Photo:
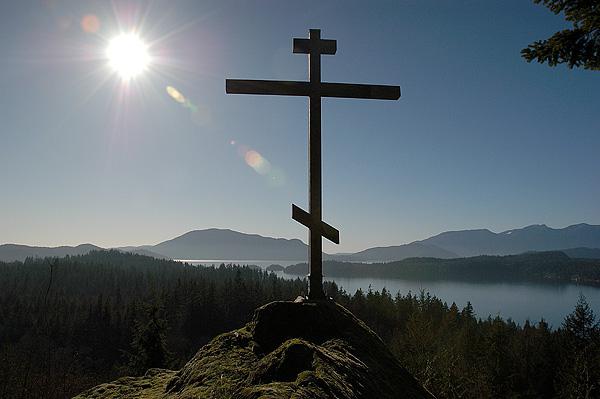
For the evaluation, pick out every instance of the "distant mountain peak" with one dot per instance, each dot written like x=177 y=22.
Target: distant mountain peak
x=535 y=237
x=226 y=244
x=17 y=252
x=535 y=226
x=579 y=225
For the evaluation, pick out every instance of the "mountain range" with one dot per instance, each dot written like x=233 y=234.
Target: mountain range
x=230 y=245
x=580 y=240
x=12 y=252
x=537 y=237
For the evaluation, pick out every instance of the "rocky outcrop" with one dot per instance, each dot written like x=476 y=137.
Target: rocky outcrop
x=290 y=349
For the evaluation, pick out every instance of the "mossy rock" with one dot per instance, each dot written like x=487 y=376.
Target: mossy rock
x=288 y=350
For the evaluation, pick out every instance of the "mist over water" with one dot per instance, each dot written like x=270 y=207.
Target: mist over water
x=263 y=264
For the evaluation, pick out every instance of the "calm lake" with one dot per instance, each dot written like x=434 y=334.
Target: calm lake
x=519 y=301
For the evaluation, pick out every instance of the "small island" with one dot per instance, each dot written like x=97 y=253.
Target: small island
x=275 y=268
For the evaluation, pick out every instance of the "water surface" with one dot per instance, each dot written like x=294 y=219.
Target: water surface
x=516 y=300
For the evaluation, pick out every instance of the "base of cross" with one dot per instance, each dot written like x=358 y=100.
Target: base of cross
x=315 y=290
x=305 y=299
x=318 y=229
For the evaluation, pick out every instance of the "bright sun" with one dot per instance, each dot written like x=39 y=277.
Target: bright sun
x=128 y=55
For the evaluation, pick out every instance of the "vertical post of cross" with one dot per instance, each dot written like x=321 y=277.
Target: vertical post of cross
x=314 y=46
x=315 y=276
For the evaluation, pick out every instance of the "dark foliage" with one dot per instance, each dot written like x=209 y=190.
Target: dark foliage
x=149 y=343
x=109 y=314
x=577 y=47
x=580 y=374
x=547 y=266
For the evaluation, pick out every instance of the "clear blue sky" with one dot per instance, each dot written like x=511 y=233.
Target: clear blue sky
x=479 y=139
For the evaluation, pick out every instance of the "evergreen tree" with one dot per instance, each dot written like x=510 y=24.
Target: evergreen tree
x=149 y=342
x=581 y=325
x=579 y=376
x=108 y=303
x=575 y=47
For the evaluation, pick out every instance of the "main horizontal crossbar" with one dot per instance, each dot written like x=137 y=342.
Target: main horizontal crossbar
x=351 y=90
x=305 y=218
x=267 y=87
x=293 y=88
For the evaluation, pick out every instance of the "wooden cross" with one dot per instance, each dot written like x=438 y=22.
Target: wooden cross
x=314 y=89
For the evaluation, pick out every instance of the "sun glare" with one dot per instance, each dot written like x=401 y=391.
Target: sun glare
x=128 y=55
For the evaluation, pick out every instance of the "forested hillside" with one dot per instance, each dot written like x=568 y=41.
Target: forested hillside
x=68 y=324
x=549 y=266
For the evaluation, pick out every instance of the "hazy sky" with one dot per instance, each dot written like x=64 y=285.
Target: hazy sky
x=479 y=139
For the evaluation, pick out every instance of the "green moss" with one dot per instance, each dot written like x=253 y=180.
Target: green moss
x=151 y=385
x=288 y=350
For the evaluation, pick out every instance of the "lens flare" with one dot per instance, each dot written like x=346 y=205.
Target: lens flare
x=274 y=176
x=257 y=162
x=200 y=114
x=175 y=95
x=90 y=23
